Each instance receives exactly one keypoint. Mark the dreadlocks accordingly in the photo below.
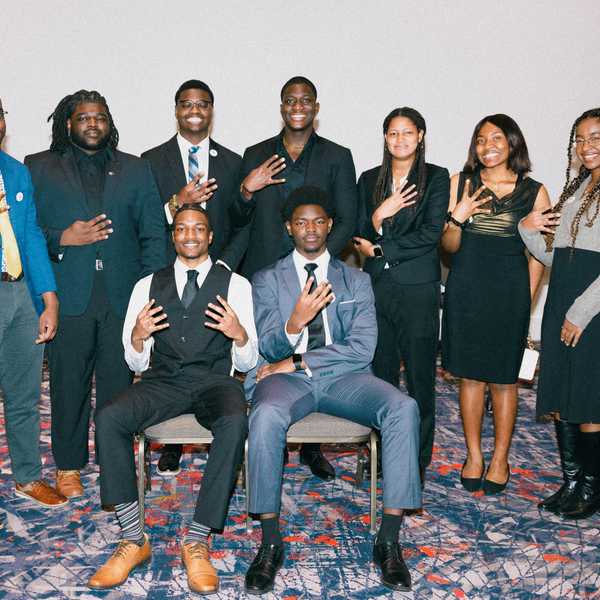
(572, 185)
(64, 110)
(384, 181)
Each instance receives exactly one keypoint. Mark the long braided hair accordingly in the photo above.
(572, 185)
(384, 182)
(63, 111)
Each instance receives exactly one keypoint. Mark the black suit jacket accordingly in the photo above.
(411, 237)
(169, 173)
(330, 168)
(135, 248)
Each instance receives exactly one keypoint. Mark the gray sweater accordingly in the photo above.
(587, 305)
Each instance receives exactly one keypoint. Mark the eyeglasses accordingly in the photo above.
(304, 101)
(2, 113)
(189, 104)
(593, 140)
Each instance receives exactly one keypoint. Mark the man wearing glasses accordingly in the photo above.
(189, 168)
(28, 319)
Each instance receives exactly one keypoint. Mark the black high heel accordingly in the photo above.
(491, 487)
(471, 484)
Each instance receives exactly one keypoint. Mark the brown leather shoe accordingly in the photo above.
(116, 569)
(68, 483)
(201, 575)
(41, 493)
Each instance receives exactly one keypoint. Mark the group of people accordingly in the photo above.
(124, 264)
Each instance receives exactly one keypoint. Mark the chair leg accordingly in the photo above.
(141, 464)
(247, 489)
(373, 448)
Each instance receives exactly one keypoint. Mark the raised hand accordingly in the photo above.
(470, 205)
(365, 247)
(263, 176)
(544, 221)
(82, 233)
(309, 304)
(393, 204)
(226, 321)
(194, 192)
(149, 320)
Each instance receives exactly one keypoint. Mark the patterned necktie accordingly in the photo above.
(316, 328)
(191, 288)
(193, 168)
(10, 250)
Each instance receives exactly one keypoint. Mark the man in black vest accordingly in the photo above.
(190, 323)
(271, 170)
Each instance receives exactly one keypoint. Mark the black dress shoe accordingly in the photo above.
(394, 572)
(471, 484)
(260, 577)
(168, 463)
(490, 488)
(316, 462)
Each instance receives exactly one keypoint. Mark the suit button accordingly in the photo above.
(182, 338)
(185, 316)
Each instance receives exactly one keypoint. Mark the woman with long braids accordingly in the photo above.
(569, 381)
(402, 206)
(489, 289)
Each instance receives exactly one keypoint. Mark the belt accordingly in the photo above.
(8, 277)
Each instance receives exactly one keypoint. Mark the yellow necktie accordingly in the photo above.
(9, 242)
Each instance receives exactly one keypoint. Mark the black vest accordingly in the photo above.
(187, 348)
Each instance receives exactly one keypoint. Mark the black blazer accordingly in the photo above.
(331, 168)
(135, 248)
(410, 239)
(169, 173)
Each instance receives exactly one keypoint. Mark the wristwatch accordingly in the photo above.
(297, 360)
(451, 219)
(377, 251)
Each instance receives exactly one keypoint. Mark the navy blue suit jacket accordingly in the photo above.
(30, 240)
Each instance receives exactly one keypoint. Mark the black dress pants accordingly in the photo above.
(218, 403)
(84, 344)
(408, 323)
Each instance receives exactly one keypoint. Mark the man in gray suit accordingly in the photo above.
(317, 332)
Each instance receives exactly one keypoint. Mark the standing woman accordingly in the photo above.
(489, 289)
(402, 206)
(569, 382)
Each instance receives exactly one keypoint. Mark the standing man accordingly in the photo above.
(102, 217)
(271, 170)
(315, 318)
(192, 322)
(192, 167)
(27, 287)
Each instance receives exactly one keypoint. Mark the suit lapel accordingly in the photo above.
(72, 177)
(216, 170)
(111, 180)
(338, 286)
(314, 171)
(291, 288)
(174, 165)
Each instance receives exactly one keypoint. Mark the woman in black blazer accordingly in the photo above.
(402, 207)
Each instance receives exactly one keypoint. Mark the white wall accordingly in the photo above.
(455, 61)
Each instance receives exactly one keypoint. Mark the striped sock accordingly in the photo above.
(128, 515)
(197, 533)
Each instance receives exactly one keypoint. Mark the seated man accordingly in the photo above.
(316, 320)
(190, 360)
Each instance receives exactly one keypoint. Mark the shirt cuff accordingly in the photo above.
(139, 361)
(244, 357)
(293, 338)
(168, 213)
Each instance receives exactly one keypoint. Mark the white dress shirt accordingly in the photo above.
(202, 157)
(239, 297)
(320, 273)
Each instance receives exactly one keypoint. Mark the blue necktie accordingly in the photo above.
(316, 328)
(193, 168)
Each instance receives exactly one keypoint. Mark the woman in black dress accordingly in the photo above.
(489, 289)
(402, 207)
(569, 382)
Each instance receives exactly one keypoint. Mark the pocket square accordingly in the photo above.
(346, 301)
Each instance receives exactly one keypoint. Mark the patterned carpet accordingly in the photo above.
(462, 546)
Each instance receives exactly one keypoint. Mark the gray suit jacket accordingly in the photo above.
(351, 318)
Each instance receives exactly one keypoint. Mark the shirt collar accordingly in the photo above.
(185, 145)
(321, 261)
(202, 268)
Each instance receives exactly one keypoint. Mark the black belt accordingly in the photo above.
(8, 277)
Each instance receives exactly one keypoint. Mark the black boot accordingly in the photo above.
(566, 437)
(586, 498)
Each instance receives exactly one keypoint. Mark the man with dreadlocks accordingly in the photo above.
(569, 381)
(102, 217)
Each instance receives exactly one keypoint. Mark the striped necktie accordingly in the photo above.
(10, 250)
(193, 168)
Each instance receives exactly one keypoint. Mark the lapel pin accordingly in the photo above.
(19, 196)
(213, 152)
(111, 172)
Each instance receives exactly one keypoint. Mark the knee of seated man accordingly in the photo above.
(404, 407)
(265, 418)
(236, 424)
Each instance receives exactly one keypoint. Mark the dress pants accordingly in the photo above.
(408, 320)
(218, 403)
(282, 399)
(21, 379)
(84, 344)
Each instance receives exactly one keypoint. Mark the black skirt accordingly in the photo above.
(569, 380)
(486, 309)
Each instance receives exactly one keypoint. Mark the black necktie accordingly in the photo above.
(316, 328)
(191, 288)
